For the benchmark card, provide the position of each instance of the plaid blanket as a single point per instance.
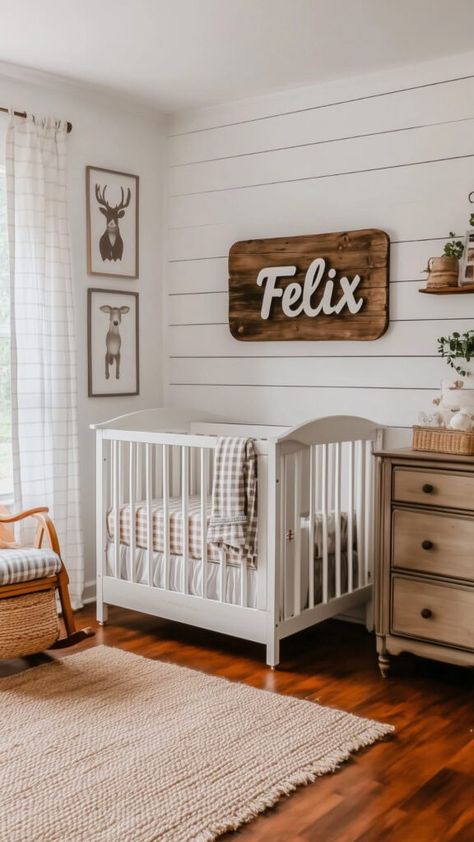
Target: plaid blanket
(233, 521)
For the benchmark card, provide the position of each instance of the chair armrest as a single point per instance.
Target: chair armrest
(22, 515)
(45, 524)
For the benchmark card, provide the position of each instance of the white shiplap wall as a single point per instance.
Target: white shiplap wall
(393, 152)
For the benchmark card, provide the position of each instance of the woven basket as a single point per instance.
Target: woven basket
(28, 624)
(441, 440)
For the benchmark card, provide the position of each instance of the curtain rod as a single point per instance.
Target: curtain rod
(24, 114)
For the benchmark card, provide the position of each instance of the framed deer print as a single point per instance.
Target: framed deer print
(112, 223)
(112, 338)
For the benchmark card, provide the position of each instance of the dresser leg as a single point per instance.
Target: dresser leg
(384, 664)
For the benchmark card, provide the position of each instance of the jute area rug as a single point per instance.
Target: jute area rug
(111, 747)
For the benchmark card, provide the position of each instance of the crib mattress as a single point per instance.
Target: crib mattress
(175, 521)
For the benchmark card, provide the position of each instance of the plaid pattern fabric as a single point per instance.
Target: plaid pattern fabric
(175, 527)
(26, 564)
(233, 520)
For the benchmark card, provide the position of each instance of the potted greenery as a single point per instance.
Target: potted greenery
(458, 350)
(457, 346)
(444, 271)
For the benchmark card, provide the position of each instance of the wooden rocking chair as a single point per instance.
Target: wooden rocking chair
(29, 578)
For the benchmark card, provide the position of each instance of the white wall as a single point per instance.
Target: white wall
(107, 133)
(395, 152)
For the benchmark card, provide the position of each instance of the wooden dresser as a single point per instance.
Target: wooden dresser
(424, 571)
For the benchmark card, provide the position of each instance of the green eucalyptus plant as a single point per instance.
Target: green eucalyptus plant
(454, 248)
(457, 346)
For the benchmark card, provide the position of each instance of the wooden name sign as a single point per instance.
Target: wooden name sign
(326, 286)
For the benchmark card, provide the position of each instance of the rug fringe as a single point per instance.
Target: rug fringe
(331, 763)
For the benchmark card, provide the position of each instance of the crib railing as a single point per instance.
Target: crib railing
(321, 483)
(325, 496)
(138, 474)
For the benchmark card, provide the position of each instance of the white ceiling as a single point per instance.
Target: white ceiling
(177, 54)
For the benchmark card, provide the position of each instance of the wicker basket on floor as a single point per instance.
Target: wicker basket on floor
(442, 440)
(28, 624)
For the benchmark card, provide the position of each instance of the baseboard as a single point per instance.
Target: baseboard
(89, 592)
(355, 615)
(350, 618)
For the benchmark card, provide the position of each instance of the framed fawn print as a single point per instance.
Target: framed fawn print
(112, 338)
(112, 223)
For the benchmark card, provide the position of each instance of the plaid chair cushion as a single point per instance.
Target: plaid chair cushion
(26, 564)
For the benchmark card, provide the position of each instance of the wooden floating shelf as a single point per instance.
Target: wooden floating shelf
(449, 290)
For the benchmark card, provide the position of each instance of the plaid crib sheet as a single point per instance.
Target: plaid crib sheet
(194, 530)
(175, 527)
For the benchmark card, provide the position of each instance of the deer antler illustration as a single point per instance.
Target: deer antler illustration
(123, 204)
(111, 243)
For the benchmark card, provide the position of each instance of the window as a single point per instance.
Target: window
(6, 474)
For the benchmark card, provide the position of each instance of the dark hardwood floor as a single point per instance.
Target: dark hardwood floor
(418, 785)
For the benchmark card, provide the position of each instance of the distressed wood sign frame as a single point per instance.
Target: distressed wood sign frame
(318, 287)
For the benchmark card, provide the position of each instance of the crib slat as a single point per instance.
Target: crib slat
(121, 472)
(280, 579)
(360, 513)
(158, 473)
(184, 516)
(133, 512)
(192, 472)
(243, 583)
(223, 561)
(350, 517)
(149, 520)
(139, 473)
(297, 560)
(204, 496)
(324, 518)
(312, 478)
(166, 511)
(368, 511)
(337, 515)
(116, 496)
(285, 548)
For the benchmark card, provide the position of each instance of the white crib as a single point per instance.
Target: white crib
(315, 523)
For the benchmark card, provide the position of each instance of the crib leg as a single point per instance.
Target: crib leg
(273, 651)
(102, 612)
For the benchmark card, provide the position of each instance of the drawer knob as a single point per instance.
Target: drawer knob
(426, 613)
(428, 488)
(427, 545)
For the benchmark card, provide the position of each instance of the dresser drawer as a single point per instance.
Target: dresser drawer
(433, 543)
(434, 488)
(440, 613)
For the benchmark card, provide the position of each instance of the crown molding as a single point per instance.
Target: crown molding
(325, 91)
(105, 96)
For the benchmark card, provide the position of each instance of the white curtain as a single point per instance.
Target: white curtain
(44, 393)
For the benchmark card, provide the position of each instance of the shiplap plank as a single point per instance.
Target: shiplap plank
(346, 372)
(411, 202)
(416, 338)
(397, 437)
(383, 86)
(405, 303)
(408, 180)
(208, 275)
(386, 114)
(211, 274)
(266, 404)
(345, 156)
